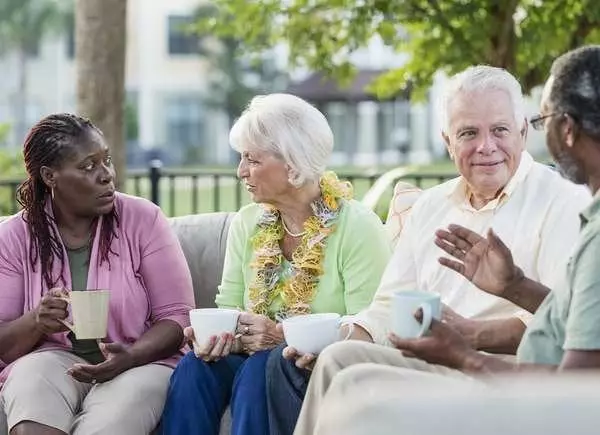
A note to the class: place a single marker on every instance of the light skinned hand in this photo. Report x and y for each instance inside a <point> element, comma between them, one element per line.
<point>258,332</point>
<point>215,348</point>
<point>485,261</point>
<point>303,361</point>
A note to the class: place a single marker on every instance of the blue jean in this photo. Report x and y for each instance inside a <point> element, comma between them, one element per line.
<point>286,388</point>
<point>199,393</point>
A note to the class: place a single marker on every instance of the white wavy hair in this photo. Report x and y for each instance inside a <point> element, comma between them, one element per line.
<point>289,128</point>
<point>483,78</point>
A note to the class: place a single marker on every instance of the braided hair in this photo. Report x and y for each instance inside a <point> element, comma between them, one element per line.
<point>49,143</point>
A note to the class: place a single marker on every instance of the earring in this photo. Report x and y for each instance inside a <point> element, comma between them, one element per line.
<point>52,193</point>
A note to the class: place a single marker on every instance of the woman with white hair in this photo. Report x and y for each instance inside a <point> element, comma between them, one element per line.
<point>303,246</point>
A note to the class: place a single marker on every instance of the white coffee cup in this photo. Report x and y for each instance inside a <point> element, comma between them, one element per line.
<point>207,322</point>
<point>311,333</point>
<point>404,306</point>
<point>89,312</point>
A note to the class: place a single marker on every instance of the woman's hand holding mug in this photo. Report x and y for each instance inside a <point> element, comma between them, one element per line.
<point>215,348</point>
<point>52,311</point>
<point>257,332</point>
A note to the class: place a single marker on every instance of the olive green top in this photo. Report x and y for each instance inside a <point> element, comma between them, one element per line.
<point>568,318</point>
<point>79,260</point>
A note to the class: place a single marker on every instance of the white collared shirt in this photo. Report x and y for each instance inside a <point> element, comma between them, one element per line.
<point>536,216</point>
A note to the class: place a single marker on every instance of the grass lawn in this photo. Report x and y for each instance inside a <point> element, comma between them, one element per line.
<point>186,195</point>
<point>179,197</point>
<point>183,194</point>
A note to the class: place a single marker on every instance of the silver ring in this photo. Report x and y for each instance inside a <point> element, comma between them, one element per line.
<point>93,381</point>
<point>246,330</point>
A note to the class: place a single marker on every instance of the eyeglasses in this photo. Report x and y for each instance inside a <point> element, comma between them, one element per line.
<point>537,121</point>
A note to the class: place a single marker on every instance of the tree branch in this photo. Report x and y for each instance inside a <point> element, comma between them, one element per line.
<point>503,42</point>
<point>446,24</point>
<point>533,77</point>
<point>442,20</point>
<point>582,30</point>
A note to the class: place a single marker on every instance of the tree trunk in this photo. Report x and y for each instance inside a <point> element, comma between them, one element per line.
<point>100,44</point>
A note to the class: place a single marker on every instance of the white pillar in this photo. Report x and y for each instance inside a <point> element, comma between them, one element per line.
<point>218,124</point>
<point>419,134</point>
<point>366,146</point>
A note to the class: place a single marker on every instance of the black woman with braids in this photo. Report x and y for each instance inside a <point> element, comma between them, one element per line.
<point>76,232</point>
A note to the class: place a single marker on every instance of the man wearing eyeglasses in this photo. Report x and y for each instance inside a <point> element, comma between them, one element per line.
<point>564,334</point>
<point>501,187</point>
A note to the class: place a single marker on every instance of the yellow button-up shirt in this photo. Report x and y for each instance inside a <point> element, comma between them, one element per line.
<point>536,215</point>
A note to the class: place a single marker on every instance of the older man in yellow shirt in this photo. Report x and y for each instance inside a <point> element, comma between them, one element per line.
<point>529,205</point>
<point>553,387</point>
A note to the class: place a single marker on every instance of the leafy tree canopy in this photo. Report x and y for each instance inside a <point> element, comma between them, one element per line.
<point>24,22</point>
<point>235,77</point>
<point>523,36</point>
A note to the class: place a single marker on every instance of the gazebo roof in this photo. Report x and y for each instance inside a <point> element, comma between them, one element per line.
<point>319,89</point>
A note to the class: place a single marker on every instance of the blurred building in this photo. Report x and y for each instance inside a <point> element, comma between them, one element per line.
<point>166,81</point>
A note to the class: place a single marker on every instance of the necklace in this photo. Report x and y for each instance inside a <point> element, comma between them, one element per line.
<point>286,229</point>
<point>296,290</point>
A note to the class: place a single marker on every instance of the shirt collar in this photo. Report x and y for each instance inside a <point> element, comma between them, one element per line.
<point>591,210</point>
<point>461,195</point>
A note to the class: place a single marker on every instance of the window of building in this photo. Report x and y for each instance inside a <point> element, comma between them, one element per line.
<point>185,129</point>
<point>393,121</point>
<point>181,41</point>
<point>32,50</point>
<point>343,122</point>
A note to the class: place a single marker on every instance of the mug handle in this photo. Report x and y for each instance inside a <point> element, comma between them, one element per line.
<point>427,316</point>
<point>68,325</point>
<point>67,299</point>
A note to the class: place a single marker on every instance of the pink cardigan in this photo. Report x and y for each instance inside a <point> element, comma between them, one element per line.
<point>149,279</point>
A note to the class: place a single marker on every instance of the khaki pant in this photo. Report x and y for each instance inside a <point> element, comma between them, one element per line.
<point>3,423</point>
<point>371,399</point>
<point>39,390</point>
<point>340,356</point>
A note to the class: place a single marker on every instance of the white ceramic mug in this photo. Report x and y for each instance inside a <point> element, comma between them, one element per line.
<point>311,333</point>
<point>89,312</point>
<point>207,322</point>
<point>404,306</point>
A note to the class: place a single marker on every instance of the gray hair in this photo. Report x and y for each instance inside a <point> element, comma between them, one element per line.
<point>291,129</point>
<point>483,78</point>
<point>576,87</point>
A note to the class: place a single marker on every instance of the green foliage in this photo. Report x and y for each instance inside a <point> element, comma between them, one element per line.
<point>131,121</point>
<point>523,36</point>
<point>11,168</point>
<point>11,164</point>
<point>4,130</point>
<point>24,22</point>
<point>229,84</point>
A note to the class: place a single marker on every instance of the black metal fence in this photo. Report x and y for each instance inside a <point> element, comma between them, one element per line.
<point>180,191</point>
